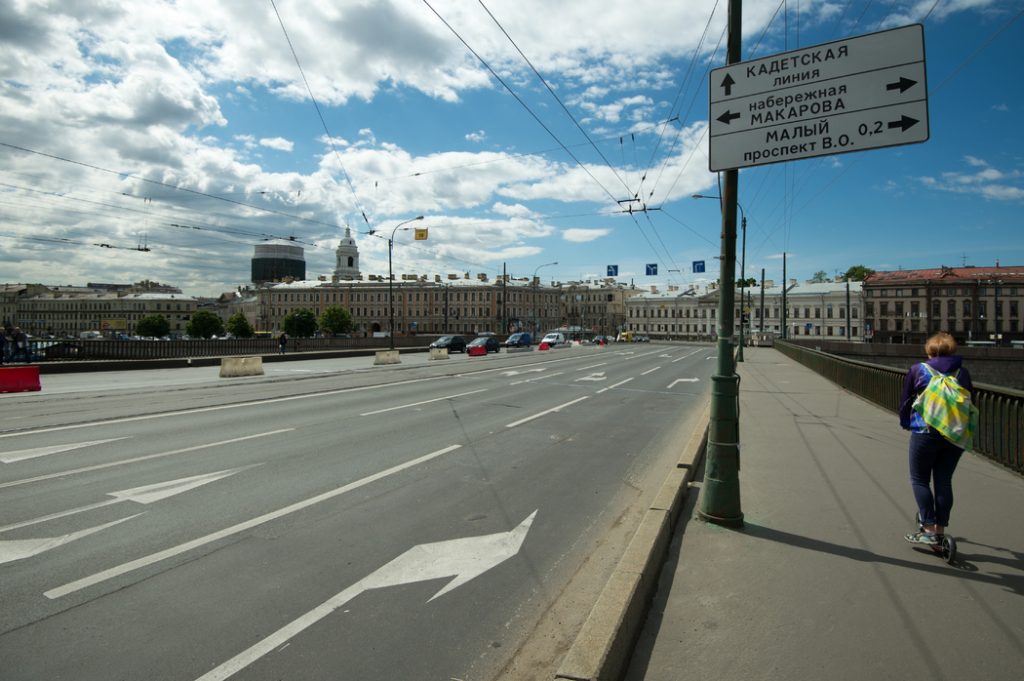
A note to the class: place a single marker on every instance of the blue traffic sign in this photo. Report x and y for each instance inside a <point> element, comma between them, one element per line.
<point>613,270</point>
<point>652,268</point>
<point>698,266</point>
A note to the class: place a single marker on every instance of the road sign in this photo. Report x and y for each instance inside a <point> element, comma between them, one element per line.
<point>849,95</point>
<point>652,269</point>
<point>698,266</point>
<point>422,234</point>
<point>613,270</point>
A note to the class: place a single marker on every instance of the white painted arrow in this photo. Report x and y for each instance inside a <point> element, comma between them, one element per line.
<point>22,454</point>
<point>597,376</point>
<point>17,549</point>
<point>683,380</point>
<point>516,372</point>
<point>146,494</point>
<point>462,559</point>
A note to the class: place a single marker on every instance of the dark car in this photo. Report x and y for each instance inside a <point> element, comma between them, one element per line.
<point>489,343</point>
<point>518,340</point>
<point>451,343</point>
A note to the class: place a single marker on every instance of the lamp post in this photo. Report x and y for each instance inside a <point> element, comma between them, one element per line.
<point>743,266</point>
<point>536,285</point>
<point>391,281</point>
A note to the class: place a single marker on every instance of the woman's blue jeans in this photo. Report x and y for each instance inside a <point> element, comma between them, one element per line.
<point>933,459</point>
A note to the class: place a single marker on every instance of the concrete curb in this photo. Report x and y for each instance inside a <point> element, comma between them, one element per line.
<point>604,644</point>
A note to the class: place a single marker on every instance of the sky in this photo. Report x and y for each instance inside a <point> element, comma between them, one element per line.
<point>164,140</point>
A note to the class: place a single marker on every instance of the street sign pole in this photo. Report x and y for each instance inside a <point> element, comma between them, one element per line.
<point>720,494</point>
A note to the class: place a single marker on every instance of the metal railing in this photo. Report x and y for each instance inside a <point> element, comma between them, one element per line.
<point>1000,435</point>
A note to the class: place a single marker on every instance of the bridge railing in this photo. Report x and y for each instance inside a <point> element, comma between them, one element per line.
<point>1000,434</point>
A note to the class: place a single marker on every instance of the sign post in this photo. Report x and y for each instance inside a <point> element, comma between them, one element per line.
<point>855,94</point>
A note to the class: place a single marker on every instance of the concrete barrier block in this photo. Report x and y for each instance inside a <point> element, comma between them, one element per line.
<point>386,357</point>
<point>19,379</point>
<point>438,353</point>
<point>241,366</point>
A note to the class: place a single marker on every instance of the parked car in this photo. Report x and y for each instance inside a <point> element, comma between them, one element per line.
<point>488,343</point>
<point>554,338</point>
<point>518,340</point>
<point>451,343</point>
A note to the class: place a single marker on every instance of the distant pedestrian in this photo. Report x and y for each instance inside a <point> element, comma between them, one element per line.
<point>20,342</point>
<point>937,408</point>
<point>282,343</point>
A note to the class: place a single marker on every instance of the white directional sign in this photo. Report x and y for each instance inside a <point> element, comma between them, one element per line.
<point>849,95</point>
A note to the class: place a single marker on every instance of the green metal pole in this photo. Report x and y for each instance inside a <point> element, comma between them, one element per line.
<point>743,280</point>
<point>720,494</point>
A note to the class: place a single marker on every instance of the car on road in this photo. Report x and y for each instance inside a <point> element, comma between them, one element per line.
<point>518,340</point>
<point>554,338</point>
<point>450,343</point>
<point>488,343</point>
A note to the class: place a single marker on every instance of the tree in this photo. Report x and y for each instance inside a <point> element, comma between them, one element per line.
<point>239,326</point>
<point>336,319</point>
<point>858,273</point>
<point>300,323</point>
<point>205,324</point>
<point>820,277</point>
<point>749,282</point>
<point>153,325</point>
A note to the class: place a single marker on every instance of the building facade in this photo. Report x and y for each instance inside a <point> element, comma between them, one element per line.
<point>815,310</point>
<point>974,304</point>
<point>64,312</point>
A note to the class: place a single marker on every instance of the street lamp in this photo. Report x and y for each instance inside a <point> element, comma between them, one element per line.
<point>743,265</point>
<point>391,280</point>
<point>536,285</point>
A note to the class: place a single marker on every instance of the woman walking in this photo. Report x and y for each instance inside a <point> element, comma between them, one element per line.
<point>936,407</point>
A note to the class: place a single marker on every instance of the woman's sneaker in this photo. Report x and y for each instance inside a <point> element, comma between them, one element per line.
<point>922,538</point>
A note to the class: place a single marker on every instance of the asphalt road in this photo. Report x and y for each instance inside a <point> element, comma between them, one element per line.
<point>330,519</point>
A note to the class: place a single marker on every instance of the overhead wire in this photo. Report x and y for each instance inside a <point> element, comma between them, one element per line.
<point>323,121</point>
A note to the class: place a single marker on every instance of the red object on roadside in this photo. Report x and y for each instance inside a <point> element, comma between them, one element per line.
<point>475,350</point>
<point>543,346</point>
<point>19,379</point>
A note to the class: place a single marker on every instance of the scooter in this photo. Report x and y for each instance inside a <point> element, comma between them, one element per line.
<point>945,548</point>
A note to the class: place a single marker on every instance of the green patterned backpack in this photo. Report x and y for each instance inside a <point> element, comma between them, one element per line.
<point>946,406</point>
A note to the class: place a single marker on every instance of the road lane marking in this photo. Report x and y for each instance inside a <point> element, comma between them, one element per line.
<point>689,355</point>
<point>650,371</point>
<point>539,378</point>
<point>614,386</point>
<point>147,457</point>
<point>152,558</point>
<point>596,376</point>
<point>22,454</point>
<point>592,366</point>
<point>546,412</point>
<point>203,410</point>
<point>682,380</point>
<point>462,559</point>
<point>19,549</point>
<point>417,404</point>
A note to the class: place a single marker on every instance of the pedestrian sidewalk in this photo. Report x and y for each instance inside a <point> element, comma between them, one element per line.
<point>820,583</point>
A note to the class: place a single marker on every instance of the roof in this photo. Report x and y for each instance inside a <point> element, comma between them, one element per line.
<point>1014,273</point>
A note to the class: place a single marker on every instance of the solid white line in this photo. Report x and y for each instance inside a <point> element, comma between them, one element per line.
<point>614,386</point>
<point>539,378</point>
<point>130,566</point>
<point>86,469</point>
<point>545,413</point>
<point>202,410</point>
<point>416,404</point>
<point>22,454</point>
<point>650,371</point>
<point>60,514</point>
<point>685,356</point>
<point>592,366</point>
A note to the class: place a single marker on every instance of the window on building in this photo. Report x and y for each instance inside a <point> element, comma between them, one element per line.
<point>967,309</point>
<point>883,308</point>
<point>950,309</point>
<point>982,309</point>
<point>899,308</point>
<point>828,311</point>
<point>1014,309</point>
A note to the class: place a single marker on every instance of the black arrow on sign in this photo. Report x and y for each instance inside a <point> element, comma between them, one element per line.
<point>904,123</point>
<point>728,118</point>
<point>902,85</point>
<point>727,83</point>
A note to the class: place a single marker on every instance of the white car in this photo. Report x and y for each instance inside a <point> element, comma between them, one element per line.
<point>554,338</point>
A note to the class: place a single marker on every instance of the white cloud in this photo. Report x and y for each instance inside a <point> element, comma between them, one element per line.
<point>279,143</point>
<point>580,236</point>
<point>982,180</point>
<point>478,136</point>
